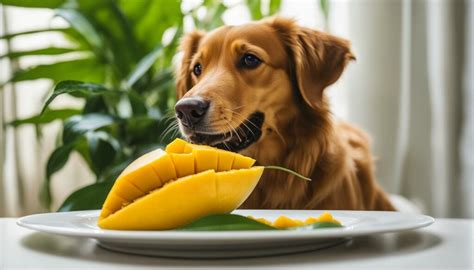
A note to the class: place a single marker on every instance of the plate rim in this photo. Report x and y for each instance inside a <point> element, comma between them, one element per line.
<point>219,236</point>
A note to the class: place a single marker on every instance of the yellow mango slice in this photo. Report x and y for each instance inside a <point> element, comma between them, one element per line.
<point>174,205</point>
<point>242,162</point>
<point>176,146</point>
<point>205,159</point>
<point>188,148</point>
<point>164,190</point>
<point>286,222</point>
<point>184,164</point>
<point>225,160</point>
<point>233,187</point>
<point>324,217</point>
<point>112,203</point>
<point>152,170</point>
<point>180,202</point>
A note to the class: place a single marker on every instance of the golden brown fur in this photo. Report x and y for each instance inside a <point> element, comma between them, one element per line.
<point>299,131</point>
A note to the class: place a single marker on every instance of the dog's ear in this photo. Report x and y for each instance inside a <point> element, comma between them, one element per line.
<point>188,47</point>
<point>318,59</point>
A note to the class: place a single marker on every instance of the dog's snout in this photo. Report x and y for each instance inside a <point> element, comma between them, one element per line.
<point>191,110</point>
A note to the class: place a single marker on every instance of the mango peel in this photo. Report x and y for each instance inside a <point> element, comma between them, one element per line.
<point>168,189</point>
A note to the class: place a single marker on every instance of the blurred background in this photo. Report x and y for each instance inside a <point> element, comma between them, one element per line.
<point>101,73</point>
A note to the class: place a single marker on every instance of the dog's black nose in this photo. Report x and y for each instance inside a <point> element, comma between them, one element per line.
<point>191,110</point>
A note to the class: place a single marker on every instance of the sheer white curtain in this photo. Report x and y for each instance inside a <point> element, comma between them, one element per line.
<point>406,89</point>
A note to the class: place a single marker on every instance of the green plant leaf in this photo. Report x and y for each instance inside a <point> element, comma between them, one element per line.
<point>127,71</point>
<point>77,88</point>
<point>83,26</point>
<point>87,198</point>
<point>274,6</point>
<point>103,149</point>
<point>44,51</point>
<point>324,5</point>
<point>138,103</point>
<point>226,222</point>
<point>33,3</point>
<point>255,8</point>
<point>143,16</point>
<point>119,48</point>
<point>95,104</point>
<point>164,77</point>
<point>86,69</point>
<point>82,148</point>
<point>48,116</point>
<point>316,225</point>
<point>233,222</point>
<point>114,171</point>
<point>79,125</point>
<point>56,161</point>
<point>12,35</point>
<point>213,18</point>
<point>143,66</point>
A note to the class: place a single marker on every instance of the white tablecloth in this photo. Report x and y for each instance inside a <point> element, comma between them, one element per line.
<point>447,244</point>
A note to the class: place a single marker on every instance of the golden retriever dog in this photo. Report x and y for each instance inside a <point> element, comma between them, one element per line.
<point>258,89</point>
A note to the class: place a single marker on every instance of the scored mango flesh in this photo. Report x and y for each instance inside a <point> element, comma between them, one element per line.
<point>284,222</point>
<point>168,189</point>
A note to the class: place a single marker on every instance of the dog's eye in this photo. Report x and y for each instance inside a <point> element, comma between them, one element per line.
<point>197,69</point>
<point>250,61</point>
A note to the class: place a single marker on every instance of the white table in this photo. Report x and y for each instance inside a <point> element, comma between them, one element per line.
<point>447,244</point>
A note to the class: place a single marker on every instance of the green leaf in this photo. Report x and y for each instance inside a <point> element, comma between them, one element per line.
<point>138,103</point>
<point>86,69</point>
<point>317,225</point>
<point>113,172</point>
<point>79,125</point>
<point>324,5</point>
<point>214,17</point>
<point>103,149</point>
<point>232,222</point>
<point>274,7</point>
<point>87,198</point>
<point>12,35</point>
<point>95,104</point>
<point>255,8</point>
<point>119,48</point>
<point>226,222</point>
<point>164,76</point>
<point>48,116</point>
<point>83,26</point>
<point>33,3</point>
<point>56,161</point>
<point>143,66</point>
<point>141,130</point>
<point>75,87</point>
<point>44,51</point>
<point>144,14</point>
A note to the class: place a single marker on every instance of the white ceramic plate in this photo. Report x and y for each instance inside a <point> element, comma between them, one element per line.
<point>189,244</point>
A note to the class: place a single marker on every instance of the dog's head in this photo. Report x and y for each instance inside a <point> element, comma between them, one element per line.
<point>237,84</point>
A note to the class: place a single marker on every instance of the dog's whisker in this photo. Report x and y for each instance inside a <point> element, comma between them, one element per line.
<point>235,131</point>
<point>282,138</point>
<point>172,127</point>
<point>239,118</point>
